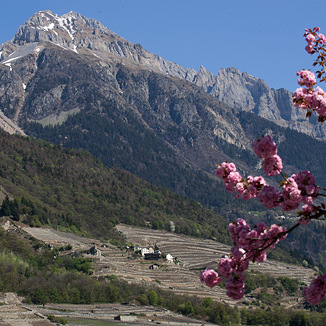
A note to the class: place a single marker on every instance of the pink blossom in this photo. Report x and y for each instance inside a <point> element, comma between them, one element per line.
<point>307,78</point>
<point>239,187</point>
<point>322,38</point>
<point>234,178</point>
<point>224,169</point>
<point>250,188</point>
<point>303,220</point>
<point>225,267</point>
<point>306,184</point>
<point>289,205</point>
<point>311,190</point>
<point>310,38</point>
<point>273,234</point>
<point>264,147</point>
<point>241,266</point>
<point>308,98</point>
<point>231,181</point>
<point>321,107</point>
<point>273,165</point>
<point>310,48</point>
<point>316,290</point>
<point>235,288</point>
<point>291,195</point>
<point>308,200</point>
<point>261,227</point>
<point>269,196</point>
<point>237,252</point>
<point>303,98</point>
<point>246,195</point>
<point>304,178</point>
<point>228,186</point>
<point>261,257</point>
<point>210,277</point>
<point>258,182</point>
<point>250,245</point>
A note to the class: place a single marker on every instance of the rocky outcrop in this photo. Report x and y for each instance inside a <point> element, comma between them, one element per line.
<point>245,92</point>
<point>9,126</point>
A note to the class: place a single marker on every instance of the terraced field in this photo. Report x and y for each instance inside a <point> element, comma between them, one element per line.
<point>194,254</point>
<point>201,253</point>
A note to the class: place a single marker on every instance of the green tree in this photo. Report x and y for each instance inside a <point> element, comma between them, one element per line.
<point>5,207</point>
<point>152,298</point>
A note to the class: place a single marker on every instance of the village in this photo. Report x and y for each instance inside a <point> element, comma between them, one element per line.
<point>160,259</point>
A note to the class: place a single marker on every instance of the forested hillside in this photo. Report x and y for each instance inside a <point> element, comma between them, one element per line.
<point>70,190</point>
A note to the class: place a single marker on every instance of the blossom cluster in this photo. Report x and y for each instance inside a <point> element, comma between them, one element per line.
<point>266,149</point>
<point>250,245</point>
<point>297,189</point>
<point>306,97</point>
<point>311,99</point>
<point>316,290</point>
<point>313,38</point>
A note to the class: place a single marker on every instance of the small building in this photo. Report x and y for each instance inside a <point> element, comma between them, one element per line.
<point>126,318</point>
<point>95,251</point>
<point>169,258</point>
<point>152,256</point>
<point>144,251</point>
<point>154,266</point>
<point>134,248</point>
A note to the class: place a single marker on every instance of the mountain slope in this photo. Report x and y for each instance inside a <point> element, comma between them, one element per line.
<point>70,190</point>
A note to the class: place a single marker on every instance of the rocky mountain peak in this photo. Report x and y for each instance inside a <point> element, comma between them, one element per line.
<point>204,79</point>
<point>70,30</point>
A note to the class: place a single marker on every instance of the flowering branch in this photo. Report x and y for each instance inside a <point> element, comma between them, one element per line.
<point>251,244</point>
<point>307,97</point>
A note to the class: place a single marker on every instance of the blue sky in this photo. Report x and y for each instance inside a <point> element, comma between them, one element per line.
<point>261,37</point>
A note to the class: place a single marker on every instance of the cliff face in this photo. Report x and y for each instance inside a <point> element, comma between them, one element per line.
<point>248,93</point>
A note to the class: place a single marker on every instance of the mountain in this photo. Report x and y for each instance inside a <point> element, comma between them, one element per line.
<point>74,82</point>
<point>60,81</point>
<point>240,90</point>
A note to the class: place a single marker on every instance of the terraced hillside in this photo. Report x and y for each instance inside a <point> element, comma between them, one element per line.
<point>193,254</point>
<point>196,254</point>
